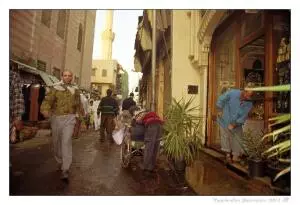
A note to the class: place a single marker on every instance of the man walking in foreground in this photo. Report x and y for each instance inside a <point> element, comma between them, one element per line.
<point>62,104</point>
<point>109,110</point>
<point>234,106</point>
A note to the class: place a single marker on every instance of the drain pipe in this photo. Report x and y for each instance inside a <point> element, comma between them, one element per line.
<point>153,59</point>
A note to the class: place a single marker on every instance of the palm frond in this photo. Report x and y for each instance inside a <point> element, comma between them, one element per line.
<point>280,119</point>
<point>284,116</point>
<point>182,130</point>
<point>281,146</point>
<point>283,172</point>
<point>276,88</point>
<point>188,103</point>
<point>276,153</point>
<point>276,132</point>
<point>284,160</point>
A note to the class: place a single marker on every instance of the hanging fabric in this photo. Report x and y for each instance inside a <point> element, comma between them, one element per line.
<point>34,106</point>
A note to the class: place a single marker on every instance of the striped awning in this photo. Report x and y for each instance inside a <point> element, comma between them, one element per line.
<point>47,78</point>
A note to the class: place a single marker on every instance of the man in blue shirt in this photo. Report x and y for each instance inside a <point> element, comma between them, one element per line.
<point>234,106</point>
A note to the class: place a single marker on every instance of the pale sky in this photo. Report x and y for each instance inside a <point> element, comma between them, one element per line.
<point>125,24</point>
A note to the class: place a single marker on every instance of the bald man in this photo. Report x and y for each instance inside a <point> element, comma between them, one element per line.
<point>62,104</point>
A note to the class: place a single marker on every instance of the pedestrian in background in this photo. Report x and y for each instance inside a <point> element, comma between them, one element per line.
<point>109,109</point>
<point>91,114</point>
<point>97,118</point>
<point>128,103</point>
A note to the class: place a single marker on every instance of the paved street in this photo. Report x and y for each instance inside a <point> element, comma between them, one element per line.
<point>153,62</point>
<point>95,170</point>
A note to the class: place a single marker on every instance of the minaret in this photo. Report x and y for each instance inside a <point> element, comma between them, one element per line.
<point>108,36</point>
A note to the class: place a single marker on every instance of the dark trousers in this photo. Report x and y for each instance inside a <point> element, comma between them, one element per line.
<point>108,124</point>
<point>153,134</point>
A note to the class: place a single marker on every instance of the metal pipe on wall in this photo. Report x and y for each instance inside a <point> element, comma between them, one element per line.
<point>153,59</point>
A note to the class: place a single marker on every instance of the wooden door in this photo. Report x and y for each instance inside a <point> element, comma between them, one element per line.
<point>222,76</point>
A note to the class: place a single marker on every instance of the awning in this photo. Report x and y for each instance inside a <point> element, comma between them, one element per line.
<point>47,78</point>
<point>163,19</point>
<point>144,36</point>
<point>143,41</point>
<point>26,68</point>
<point>137,64</point>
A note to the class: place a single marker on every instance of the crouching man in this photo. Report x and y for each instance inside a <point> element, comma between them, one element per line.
<point>152,137</point>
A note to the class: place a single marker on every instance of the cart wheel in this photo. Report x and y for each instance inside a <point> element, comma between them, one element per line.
<point>126,152</point>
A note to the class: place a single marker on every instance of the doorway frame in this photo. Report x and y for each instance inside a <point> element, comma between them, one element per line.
<point>266,31</point>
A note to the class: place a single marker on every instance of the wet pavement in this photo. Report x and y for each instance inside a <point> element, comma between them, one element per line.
<point>213,178</point>
<point>95,170</point>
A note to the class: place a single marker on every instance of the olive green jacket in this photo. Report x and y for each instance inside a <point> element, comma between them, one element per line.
<point>62,102</point>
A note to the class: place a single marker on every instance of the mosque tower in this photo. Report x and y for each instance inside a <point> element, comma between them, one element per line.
<point>107,36</point>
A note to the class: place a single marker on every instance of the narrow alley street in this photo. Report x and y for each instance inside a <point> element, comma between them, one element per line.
<point>213,86</point>
<point>96,171</point>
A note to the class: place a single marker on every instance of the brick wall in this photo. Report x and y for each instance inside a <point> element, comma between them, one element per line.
<point>50,46</point>
<point>20,33</point>
<point>73,55</point>
<point>88,49</point>
<point>31,39</point>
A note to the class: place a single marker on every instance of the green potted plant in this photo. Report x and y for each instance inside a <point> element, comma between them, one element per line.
<point>280,125</point>
<point>182,133</point>
<point>254,148</point>
<point>278,167</point>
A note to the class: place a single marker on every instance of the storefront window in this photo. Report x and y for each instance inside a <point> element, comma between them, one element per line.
<point>225,60</point>
<point>253,67</point>
<point>282,68</point>
<point>251,23</point>
<point>225,70</point>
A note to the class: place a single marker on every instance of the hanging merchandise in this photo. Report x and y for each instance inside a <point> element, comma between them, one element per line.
<point>42,94</point>
<point>283,68</point>
<point>33,114</point>
<point>26,95</point>
<point>13,135</point>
